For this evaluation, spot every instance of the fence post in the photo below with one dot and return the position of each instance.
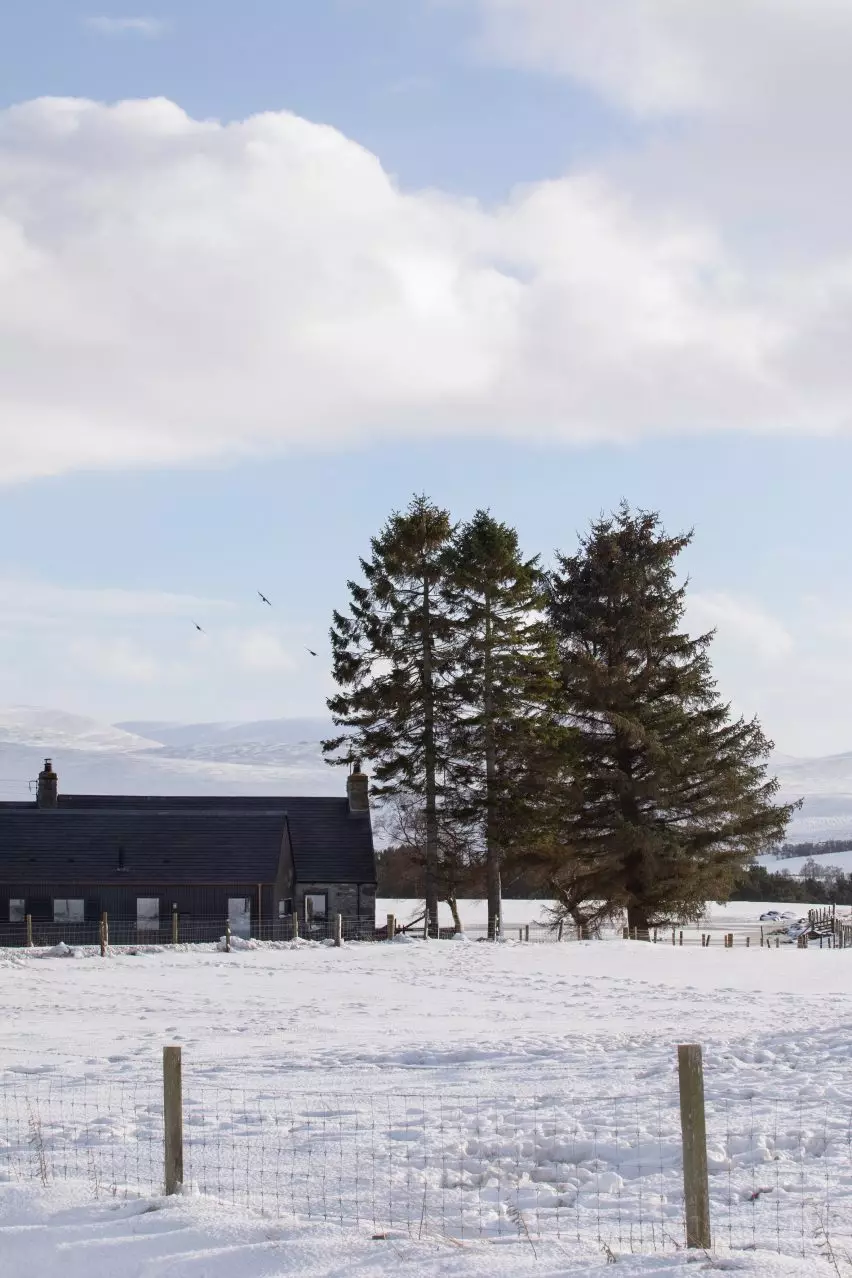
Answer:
(625, 934)
(693, 1125)
(102, 938)
(174, 926)
(295, 927)
(338, 929)
(391, 927)
(560, 931)
(173, 1119)
(228, 937)
(527, 932)
(29, 930)
(680, 937)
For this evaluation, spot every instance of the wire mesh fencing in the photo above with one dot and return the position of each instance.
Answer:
(464, 1167)
(595, 1170)
(106, 1133)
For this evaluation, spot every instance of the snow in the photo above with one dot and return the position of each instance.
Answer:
(59, 1234)
(471, 1084)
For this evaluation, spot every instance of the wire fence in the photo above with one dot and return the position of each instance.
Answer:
(605, 1170)
(830, 932)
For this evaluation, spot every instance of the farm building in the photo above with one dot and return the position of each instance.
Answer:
(155, 863)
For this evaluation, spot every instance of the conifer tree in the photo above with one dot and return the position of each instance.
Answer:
(391, 662)
(668, 798)
(505, 687)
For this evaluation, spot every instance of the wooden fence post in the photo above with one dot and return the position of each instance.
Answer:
(680, 937)
(625, 934)
(295, 927)
(174, 926)
(391, 927)
(105, 927)
(696, 1188)
(29, 921)
(102, 937)
(228, 937)
(527, 932)
(173, 1119)
(338, 929)
(561, 929)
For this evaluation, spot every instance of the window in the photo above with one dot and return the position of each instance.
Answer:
(285, 908)
(17, 910)
(316, 905)
(68, 911)
(148, 913)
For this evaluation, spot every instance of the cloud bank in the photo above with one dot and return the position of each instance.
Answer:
(175, 290)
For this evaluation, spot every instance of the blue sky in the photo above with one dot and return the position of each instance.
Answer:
(559, 268)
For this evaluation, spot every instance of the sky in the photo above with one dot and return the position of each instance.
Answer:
(268, 269)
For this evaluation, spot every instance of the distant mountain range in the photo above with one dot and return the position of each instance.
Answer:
(282, 756)
(276, 756)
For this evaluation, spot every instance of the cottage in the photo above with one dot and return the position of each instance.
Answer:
(146, 861)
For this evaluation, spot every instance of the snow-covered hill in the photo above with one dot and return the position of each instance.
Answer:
(826, 786)
(283, 756)
(280, 756)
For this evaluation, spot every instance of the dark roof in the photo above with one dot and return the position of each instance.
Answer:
(82, 846)
(329, 844)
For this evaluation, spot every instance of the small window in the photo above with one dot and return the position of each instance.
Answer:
(316, 905)
(148, 913)
(285, 908)
(69, 911)
(17, 910)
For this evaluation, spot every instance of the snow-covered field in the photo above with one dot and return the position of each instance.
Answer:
(490, 1109)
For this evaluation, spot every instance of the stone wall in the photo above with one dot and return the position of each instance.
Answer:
(343, 898)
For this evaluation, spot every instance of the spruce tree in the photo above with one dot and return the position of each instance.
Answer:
(505, 688)
(668, 797)
(391, 662)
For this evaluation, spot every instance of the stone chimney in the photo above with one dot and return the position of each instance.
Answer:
(358, 791)
(47, 792)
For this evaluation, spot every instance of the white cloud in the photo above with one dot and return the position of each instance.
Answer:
(119, 660)
(658, 57)
(22, 600)
(740, 623)
(172, 290)
(261, 651)
(151, 28)
(136, 654)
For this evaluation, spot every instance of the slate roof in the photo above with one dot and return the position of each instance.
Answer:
(80, 846)
(210, 839)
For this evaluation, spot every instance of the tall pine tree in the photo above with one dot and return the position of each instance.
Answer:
(505, 690)
(391, 660)
(668, 797)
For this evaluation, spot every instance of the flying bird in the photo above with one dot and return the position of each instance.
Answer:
(311, 651)
(264, 598)
(198, 628)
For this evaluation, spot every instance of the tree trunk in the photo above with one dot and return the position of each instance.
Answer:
(492, 846)
(637, 923)
(430, 762)
(452, 902)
